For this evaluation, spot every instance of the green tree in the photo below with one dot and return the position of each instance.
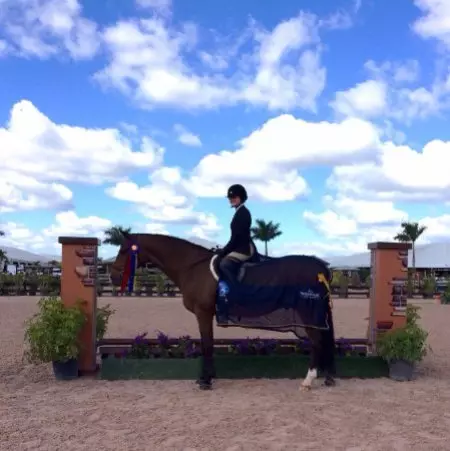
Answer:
(114, 235)
(3, 259)
(410, 234)
(265, 232)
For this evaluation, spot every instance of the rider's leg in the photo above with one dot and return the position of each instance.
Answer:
(229, 269)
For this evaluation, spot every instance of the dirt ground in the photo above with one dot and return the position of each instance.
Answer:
(38, 413)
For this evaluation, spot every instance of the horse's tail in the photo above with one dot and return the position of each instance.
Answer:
(330, 341)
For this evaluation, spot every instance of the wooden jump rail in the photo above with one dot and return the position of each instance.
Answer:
(222, 341)
(114, 346)
(389, 266)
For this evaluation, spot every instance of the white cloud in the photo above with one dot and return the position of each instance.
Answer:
(153, 63)
(67, 223)
(186, 137)
(436, 20)
(388, 94)
(402, 173)
(166, 201)
(267, 160)
(366, 99)
(355, 241)
(45, 28)
(160, 6)
(345, 216)
(20, 192)
(65, 154)
(155, 228)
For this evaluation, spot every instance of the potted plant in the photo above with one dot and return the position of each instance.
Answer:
(429, 287)
(445, 296)
(138, 283)
(44, 285)
(355, 280)
(402, 348)
(160, 284)
(343, 286)
(32, 284)
(52, 336)
(336, 276)
(99, 288)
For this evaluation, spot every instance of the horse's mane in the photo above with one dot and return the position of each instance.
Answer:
(175, 239)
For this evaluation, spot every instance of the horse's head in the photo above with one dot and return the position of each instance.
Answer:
(118, 267)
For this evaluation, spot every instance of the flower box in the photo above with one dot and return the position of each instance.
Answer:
(289, 366)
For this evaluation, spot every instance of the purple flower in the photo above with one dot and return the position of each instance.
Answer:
(139, 339)
(242, 347)
(162, 339)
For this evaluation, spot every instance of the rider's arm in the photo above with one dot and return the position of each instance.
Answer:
(239, 227)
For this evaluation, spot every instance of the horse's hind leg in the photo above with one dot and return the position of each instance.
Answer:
(328, 354)
(314, 362)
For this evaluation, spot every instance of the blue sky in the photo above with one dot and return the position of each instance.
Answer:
(332, 114)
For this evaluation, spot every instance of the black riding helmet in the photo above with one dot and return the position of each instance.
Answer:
(237, 191)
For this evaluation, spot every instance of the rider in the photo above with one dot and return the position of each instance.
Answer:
(240, 247)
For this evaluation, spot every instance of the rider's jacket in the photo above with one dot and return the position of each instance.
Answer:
(240, 232)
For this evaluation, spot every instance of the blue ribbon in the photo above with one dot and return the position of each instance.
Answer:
(133, 261)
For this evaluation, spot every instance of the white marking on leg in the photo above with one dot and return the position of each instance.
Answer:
(312, 374)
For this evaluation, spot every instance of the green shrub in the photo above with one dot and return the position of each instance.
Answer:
(102, 319)
(406, 343)
(445, 296)
(429, 286)
(52, 333)
(335, 281)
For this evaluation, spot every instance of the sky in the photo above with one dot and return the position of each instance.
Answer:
(141, 113)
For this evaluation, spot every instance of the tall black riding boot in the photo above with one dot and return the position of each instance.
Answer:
(229, 270)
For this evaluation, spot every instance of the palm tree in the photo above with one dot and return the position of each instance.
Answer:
(3, 259)
(265, 232)
(410, 234)
(114, 235)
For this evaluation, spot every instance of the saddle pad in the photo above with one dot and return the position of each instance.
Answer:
(291, 270)
(278, 308)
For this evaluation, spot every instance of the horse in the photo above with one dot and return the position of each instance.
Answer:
(189, 266)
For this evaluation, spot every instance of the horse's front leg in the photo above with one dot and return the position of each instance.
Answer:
(314, 360)
(207, 370)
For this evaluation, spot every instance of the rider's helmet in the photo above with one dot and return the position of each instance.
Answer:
(237, 191)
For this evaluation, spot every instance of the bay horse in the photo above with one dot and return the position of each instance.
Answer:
(188, 266)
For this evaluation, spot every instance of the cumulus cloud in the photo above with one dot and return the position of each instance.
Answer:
(67, 223)
(166, 201)
(400, 173)
(186, 137)
(366, 99)
(267, 160)
(152, 62)
(435, 23)
(39, 157)
(393, 92)
(46, 28)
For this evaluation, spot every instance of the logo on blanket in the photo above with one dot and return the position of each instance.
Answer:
(309, 294)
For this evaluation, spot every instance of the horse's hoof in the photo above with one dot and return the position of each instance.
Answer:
(329, 382)
(204, 385)
(305, 388)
